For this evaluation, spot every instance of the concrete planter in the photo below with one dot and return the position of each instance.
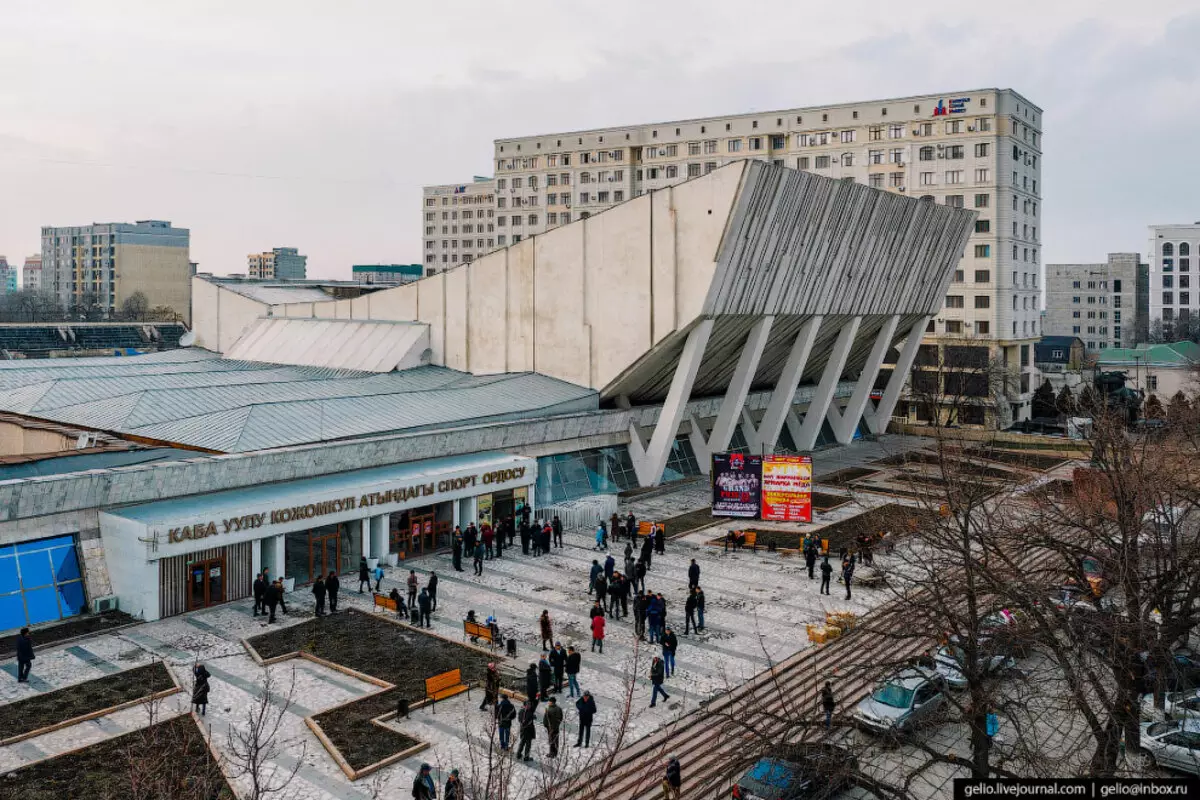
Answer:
(372, 563)
(391, 559)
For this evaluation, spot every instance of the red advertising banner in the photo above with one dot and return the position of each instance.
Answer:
(787, 488)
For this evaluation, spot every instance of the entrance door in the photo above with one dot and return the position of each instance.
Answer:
(325, 553)
(206, 583)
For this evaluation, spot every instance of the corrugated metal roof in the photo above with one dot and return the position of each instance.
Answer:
(373, 346)
(202, 400)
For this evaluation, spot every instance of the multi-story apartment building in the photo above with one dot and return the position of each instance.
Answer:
(387, 274)
(978, 149)
(103, 264)
(1174, 250)
(8, 276)
(1104, 305)
(458, 220)
(280, 263)
(31, 273)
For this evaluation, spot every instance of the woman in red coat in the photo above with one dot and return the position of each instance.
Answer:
(598, 633)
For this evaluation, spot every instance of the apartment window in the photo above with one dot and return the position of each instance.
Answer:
(897, 180)
(983, 301)
(734, 145)
(1185, 281)
(954, 326)
(565, 179)
(1168, 298)
(756, 142)
(533, 219)
(802, 162)
(983, 175)
(926, 153)
(822, 162)
(895, 131)
(983, 328)
(983, 225)
(983, 251)
(875, 180)
(954, 126)
(1185, 298)
(875, 133)
(954, 301)
(778, 142)
(515, 220)
(652, 173)
(847, 159)
(585, 197)
(709, 166)
(896, 156)
(552, 199)
(955, 151)
(693, 148)
(672, 171)
(875, 156)
(954, 200)
(693, 170)
(983, 123)
(848, 136)
(429, 201)
(981, 200)
(602, 197)
(566, 159)
(927, 179)
(710, 146)
(953, 177)
(517, 183)
(619, 196)
(983, 150)
(958, 276)
(1168, 281)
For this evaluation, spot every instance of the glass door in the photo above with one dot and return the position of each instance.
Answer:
(206, 583)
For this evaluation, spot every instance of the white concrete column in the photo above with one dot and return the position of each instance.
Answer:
(699, 443)
(379, 535)
(845, 422)
(278, 565)
(364, 533)
(256, 559)
(879, 417)
(785, 390)
(649, 460)
(823, 396)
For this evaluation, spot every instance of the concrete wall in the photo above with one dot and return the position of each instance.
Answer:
(134, 579)
(17, 440)
(163, 274)
(222, 316)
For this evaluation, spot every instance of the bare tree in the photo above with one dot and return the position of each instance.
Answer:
(135, 307)
(253, 747)
(169, 759)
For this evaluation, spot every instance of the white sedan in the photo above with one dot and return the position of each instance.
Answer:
(1175, 745)
(1176, 705)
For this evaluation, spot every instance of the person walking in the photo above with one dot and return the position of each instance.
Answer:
(700, 607)
(574, 661)
(689, 610)
(24, 655)
(848, 574)
(547, 632)
(673, 780)
(545, 676)
(332, 586)
(654, 612)
(412, 584)
(479, 553)
(423, 786)
(378, 576)
(271, 598)
(280, 594)
(454, 787)
(670, 643)
(826, 574)
(457, 551)
(614, 595)
(425, 606)
(610, 566)
(657, 676)
(597, 610)
(640, 574)
(552, 719)
(615, 526)
(660, 539)
(318, 590)
(596, 572)
(648, 550)
(586, 706)
(630, 563)
(598, 633)
(827, 703)
(601, 590)
(431, 585)
(631, 527)
(639, 614)
(693, 575)
(364, 575)
(470, 537)
(506, 712)
(558, 662)
(601, 537)
(810, 559)
(260, 592)
(200, 689)
(491, 687)
(531, 681)
(489, 536)
(556, 531)
(528, 732)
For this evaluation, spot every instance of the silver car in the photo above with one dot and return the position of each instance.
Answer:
(1176, 705)
(902, 702)
(1175, 745)
(948, 662)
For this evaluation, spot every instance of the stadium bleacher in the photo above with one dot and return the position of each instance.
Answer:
(67, 338)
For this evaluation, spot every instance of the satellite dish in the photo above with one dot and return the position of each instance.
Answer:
(188, 339)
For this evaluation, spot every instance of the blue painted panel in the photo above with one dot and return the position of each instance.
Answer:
(35, 570)
(42, 605)
(71, 598)
(66, 563)
(12, 611)
(9, 580)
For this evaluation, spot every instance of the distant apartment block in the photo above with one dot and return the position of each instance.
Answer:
(1174, 302)
(101, 265)
(281, 263)
(387, 274)
(31, 273)
(8, 277)
(1105, 305)
(459, 223)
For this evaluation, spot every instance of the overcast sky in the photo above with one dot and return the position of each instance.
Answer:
(314, 124)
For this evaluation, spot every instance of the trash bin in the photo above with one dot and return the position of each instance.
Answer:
(414, 615)
(512, 648)
(402, 708)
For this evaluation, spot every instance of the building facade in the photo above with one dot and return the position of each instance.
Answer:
(101, 265)
(1105, 305)
(281, 263)
(31, 273)
(978, 150)
(458, 220)
(8, 276)
(1173, 251)
(387, 274)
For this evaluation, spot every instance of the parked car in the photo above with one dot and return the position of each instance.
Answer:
(1174, 744)
(1176, 705)
(902, 702)
(802, 771)
(948, 661)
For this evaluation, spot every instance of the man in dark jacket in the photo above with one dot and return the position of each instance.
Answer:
(826, 573)
(657, 676)
(693, 575)
(364, 574)
(660, 539)
(489, 536)
(528, 722)
(640, 573)
(670, 643)
(601, 590)
(700, 607)
(454, 787)
(631, 527)
(432, 587)
(491, 687)
(535, 537)
(272, 598)
(525, 536)
(689, 610)
(810, 559)
(545, 676)
(574, 660)
(479, 553)
(614, 595)
(423, 786)
(413, 586)
(318, 591)
(848, 574)
(470, 538)
(457, 552)
(552, 718)
(506, 712)
(596, 572)
(531, 682)
(332, 586)
(260, 593)
(556, 530)
(24, 655)
(587, 712)
(648, 551)
(640, 601)
(610, 566)
(558, 662)
(426, 606)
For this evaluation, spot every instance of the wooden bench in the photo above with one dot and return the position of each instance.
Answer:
(478, 630)
(384, 601)
(446, 684)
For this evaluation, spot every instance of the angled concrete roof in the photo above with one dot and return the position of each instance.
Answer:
(371, 346)
(199, 399)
